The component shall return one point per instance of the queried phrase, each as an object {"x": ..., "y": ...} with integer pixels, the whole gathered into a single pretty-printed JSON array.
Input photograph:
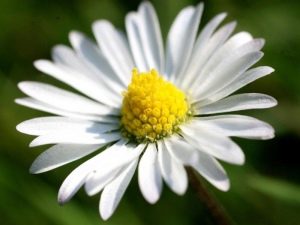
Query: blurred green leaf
[{"x": 276, "y": 188}]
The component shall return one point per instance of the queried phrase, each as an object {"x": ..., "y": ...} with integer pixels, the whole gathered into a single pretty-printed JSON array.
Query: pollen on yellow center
[{"x": 152, "y": 107}]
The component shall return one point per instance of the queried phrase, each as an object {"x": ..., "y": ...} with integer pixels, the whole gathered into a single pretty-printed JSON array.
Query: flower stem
[{"x": 216, "y": 210}]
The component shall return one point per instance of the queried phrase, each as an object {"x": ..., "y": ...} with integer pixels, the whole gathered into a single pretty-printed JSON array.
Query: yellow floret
[{"x": 152, "y": 107}]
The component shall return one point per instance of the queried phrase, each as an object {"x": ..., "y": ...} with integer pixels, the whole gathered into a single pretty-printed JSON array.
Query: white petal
[
  {"x": 237, "y": 125},
  {"x": 66, "y": 58},
  {"x": 54, "y": 124},
  {"x": 181, "y": 40},
  {"x": 149, "y": 177},
  {"x": 225, "y": 73},
  {"x": 59, "y": 155},
  {"x": 75, "y": 138},
  {"x": 234, "y": 42},
  {"x": 238, "y": 43},
  {"x": 114, "y": 191},
  {"x": 115, "y": 48},
  {"x": 80, "y": 82},
  {"x": 200, "y": 57},
  {"x": 145, "y": 38},
  {"x": 111, "y": 166},
  {"x": 207, "y": 32},
  {"x": 236, "y": 103},
  {"x": 213, "y": 143},
  {"x": 135, "y": 41},
  {"x": 239, "y": 82},
  {"x": 229, "y": 53},
  {"x": 212, "y": 171},
  {"x": 73, "y": 183},
  {"x": 119, "y": 157},
  {"x": 64, "y": 55},
  {"x": 63, "y": 99},
  {"x": 181, "y": 151},
  {"x": 98, "y": 180},
  {"x": 231, "y": 44},
  {"x": 34, "y": 104},
  {"x": 172, "y": 170},
  {"x": 241, "y": 42},
  {"x": 204, "y": 164},
  {"x": 92, "y": 56},
  {"x": 78, "y": 176},
  {"x": 151, "y": 37}
]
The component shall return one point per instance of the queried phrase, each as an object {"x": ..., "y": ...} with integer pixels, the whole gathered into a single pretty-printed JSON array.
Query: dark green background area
[{"x": 265, "y": 191}]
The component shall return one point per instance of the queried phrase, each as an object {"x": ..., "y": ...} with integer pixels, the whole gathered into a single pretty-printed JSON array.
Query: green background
[{"x": 264, "y": 191}]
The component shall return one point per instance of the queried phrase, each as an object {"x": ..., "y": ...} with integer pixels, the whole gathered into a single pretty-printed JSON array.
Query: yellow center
[{"x": 152, "y": 107}]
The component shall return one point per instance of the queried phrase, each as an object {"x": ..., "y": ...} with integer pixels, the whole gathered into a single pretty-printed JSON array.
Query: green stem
[{"x": 216, "y": 210}]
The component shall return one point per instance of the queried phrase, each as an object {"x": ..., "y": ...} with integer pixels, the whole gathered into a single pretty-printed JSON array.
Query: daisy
[{"x": 142, "y": 106}]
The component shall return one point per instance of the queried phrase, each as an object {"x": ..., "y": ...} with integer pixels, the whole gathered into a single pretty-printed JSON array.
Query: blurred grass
[
  {"x": 275, "y": 188},
  {"x": 264, "y": 191}
]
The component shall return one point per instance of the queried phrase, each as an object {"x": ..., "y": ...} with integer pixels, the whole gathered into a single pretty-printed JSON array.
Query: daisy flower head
[{"x": 142, "y": 106}]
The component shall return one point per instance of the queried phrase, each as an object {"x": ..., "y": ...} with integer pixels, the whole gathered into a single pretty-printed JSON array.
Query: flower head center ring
[{"x": 152, "y": 107}]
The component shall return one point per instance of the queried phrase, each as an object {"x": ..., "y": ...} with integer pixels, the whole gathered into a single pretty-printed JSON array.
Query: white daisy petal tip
[
  {"x": 257, "y": 55},
  {"x": 37, "y": 142},
  {"x": 183, "y": 189},
  {"x": 273, "y": 101},
  {"x": 62, "y": 199},
  {"x": 221, "y": 16},
  {"x": 76, "y": 38},
  {"x": 237, "y": 155},
  {"x": 232, "y": 25},
  {"x": 20, "y": 127},
  {"x": 269, "y": 101},
  {"x": 149, "y": 176},
  {"x": 101, "y": 24},
  {"x": 268, "y": 69},
  {"x": 239, "y": 159},
  {"x": 63, "y": 195},
  {"x": 223, "y": 185},
  {"x": 152, "y": 199},
  {"x": 105, "y": 215},
  {"x": 256, "y": 43},
  {"x": 131, "y": 17},
  {"x": 145, "y": 4},
  {"x": 73, "y": 183},
  {"x": 266, "y": 100},
  {"x": 38, "y": 64},
  {"x": 114, "y": 191},
  {"x": 269, "y": 133},
  {"x": 22, "y": 85},
  {"x": 57, "y": 49},
  {"x": 44, "y": 65},
  {"x": 34, "y": 169},
  {"x": 26, "y": 86},
  {"x": 33, "y": 143}
]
